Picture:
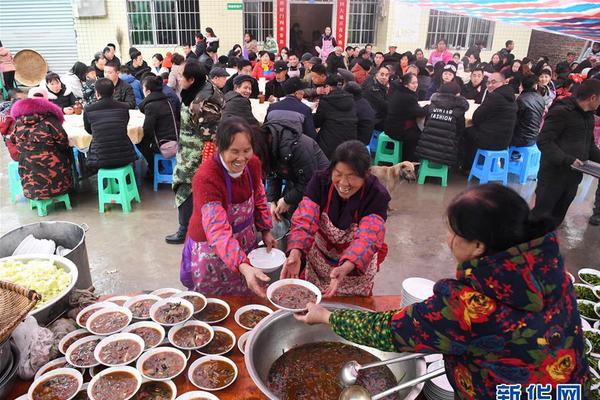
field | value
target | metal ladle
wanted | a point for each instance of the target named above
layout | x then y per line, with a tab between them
356	392
350	370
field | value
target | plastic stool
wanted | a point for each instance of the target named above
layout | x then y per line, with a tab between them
386	154
163	170
14	182
118	190
76	160
490	165
139	164
433	170
373	143
527	164
42	205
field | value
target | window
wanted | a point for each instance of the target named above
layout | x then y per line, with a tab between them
258	19
362	16
162	22
459	30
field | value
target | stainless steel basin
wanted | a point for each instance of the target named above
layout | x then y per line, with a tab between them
279	332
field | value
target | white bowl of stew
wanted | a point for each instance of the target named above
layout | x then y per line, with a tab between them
150	364
223	342
119	349
140	305
115	383
109	321
216	310
152	333
171	311
212	373
61	384
198	300
81	353
191	335
70	338
242	342
88	311
118	300
164	390
57	363
293	294
197	394
249	316
166	292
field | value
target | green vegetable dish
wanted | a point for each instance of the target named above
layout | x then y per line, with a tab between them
594	339
592	279
587	310
585	293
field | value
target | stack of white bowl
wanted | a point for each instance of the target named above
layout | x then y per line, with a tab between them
415	290
439	387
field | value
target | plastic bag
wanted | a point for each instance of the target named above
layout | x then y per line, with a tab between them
34	342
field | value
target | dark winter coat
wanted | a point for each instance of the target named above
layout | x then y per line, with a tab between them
107	120
443	126
402	113
295	157
137	72
64	98
124	93
531	107
135	85
471	92
290	108
237	105
159	122
494	120
334	62
274	88
377	95
43	146
336	116
366	118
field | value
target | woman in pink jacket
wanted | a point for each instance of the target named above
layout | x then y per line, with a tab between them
441	53
7	68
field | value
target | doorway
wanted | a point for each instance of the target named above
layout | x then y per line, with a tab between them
307	23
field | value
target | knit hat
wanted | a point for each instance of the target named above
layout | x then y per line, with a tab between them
450	88
449	68
280	66
218	72
315	60
242	78
306	57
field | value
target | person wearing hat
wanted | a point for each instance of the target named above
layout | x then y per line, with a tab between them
274	88
445	75
309	63
335	60
237	101
244	67
264	67
292	108
391	55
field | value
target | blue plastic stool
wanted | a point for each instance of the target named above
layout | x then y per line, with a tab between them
14	182
386	154
76	159
490	165
373	143
163	170
138	165
42	205
524	162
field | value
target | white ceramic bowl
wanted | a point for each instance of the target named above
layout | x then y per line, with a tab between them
60	362
588	271
111	370
165	292
587	344
242	342
593	304
61	371
95	306
218	301
220	329
571	277
105	311
592	353
266	262
78	332
115	338
197	394
204	359
194	294
75	345
284	282
177	328
118	300
145	356
249	307
171	300
135	299
171	385
147	324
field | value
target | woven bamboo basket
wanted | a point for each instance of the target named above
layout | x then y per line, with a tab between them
31	67
15	303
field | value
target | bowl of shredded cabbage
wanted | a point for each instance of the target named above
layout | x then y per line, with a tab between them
52	277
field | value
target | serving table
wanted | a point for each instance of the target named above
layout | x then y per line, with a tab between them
243	387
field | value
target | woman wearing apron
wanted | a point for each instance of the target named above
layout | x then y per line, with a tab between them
339	226
327	44
229	207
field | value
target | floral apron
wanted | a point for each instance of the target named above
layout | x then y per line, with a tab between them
326	251
209	274
326	49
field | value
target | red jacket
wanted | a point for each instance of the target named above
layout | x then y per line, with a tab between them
7	126
258	71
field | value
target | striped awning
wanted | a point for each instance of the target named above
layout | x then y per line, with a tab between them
567	17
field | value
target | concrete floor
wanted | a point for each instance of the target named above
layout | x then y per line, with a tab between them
128	253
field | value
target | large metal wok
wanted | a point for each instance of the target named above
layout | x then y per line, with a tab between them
280	331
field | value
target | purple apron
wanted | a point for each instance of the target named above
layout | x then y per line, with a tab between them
201	268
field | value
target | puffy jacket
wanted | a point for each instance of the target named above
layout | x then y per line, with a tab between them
470	92
531	109
124	93
294	157
364	113
443	127
402	111
378	96
107	120
64	98
494	120
135	85
336	116
159	122
137	72
237	105
7	126
293	109
72	81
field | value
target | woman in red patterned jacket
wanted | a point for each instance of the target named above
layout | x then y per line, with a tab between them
339	225
509	317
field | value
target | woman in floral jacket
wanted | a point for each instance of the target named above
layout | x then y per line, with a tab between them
509	317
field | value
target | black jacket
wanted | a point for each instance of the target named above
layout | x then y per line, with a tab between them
124	93
494	120
568	134
294	157
64	98
531	108
377	95
200	48
366	119
292	109
137	72
336	116
402	112
274	88
334	62
229	86
106	120
159	122
237	105
443	127
470	92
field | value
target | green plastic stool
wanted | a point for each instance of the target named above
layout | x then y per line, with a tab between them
42	205
117	190
433	170
14	182
384	154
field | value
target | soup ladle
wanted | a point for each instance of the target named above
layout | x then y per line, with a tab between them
356	392
350	370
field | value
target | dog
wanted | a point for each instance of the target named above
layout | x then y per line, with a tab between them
390	177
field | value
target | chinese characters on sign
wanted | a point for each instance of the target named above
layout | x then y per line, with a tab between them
281	23
340	34
538	392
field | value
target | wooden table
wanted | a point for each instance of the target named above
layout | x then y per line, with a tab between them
243	387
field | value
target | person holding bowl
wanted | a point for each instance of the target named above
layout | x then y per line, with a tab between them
339	226
509	317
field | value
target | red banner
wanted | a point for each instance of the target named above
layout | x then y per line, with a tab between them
340	26
281	23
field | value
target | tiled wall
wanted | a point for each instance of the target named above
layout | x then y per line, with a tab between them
227	24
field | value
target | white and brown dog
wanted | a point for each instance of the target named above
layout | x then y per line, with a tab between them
390	177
